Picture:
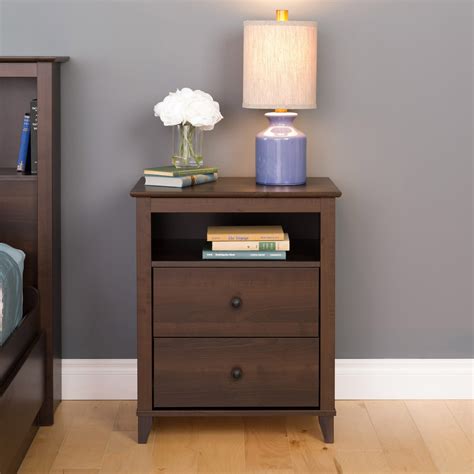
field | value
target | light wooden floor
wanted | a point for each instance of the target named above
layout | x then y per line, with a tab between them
371	436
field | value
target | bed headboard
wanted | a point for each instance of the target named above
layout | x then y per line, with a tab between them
19	220
30	216
18	193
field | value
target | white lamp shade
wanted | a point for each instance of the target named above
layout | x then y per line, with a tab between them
280	60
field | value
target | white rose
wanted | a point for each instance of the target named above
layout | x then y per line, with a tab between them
185	105
184	94
171	110
203	113
205	95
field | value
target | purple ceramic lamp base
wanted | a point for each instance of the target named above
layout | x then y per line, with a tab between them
280	152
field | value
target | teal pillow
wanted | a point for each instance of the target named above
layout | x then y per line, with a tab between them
16	254
11	290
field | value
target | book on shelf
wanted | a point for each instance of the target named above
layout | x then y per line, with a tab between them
245	233
34	136
208	254
179	181
173	172
254	245
24	151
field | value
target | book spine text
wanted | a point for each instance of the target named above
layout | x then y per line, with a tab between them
34	136
242	237
282	245
242	255
24	144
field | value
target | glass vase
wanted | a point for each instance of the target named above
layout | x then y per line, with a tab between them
187	146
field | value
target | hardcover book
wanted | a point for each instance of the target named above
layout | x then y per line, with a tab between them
244	233
263	246
208	254
24	145
34	136
172	171
179	181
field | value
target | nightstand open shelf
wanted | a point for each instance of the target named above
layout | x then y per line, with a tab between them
178	238
235	337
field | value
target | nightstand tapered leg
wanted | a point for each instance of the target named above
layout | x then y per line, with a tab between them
144	426
327	427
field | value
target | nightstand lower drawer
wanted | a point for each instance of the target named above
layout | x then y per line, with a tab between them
236	372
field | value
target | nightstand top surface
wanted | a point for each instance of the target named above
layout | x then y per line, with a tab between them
241	187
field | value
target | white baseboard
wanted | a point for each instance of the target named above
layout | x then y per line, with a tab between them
99	379
390	379
356	379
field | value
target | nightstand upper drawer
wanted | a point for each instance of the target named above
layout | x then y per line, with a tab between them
236	372
235	302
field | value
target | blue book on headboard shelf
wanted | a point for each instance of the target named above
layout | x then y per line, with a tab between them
24	144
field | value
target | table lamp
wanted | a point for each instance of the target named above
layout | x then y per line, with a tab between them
280	74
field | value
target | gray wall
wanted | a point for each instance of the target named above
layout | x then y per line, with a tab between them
393	129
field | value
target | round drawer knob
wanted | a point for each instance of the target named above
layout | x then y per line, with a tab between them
236	373
236	302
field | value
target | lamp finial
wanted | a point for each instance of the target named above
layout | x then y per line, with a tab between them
282	15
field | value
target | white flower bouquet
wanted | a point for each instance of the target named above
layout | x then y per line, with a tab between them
191	112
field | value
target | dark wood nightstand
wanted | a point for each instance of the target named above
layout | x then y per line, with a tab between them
200	353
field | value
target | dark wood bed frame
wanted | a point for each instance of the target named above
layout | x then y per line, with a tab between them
21	385
30	360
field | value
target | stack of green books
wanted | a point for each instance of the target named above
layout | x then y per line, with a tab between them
171	177
246	243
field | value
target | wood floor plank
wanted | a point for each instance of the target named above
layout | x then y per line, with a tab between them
354	429
361	462
126	419
357	448
69	410
41	454
270	471
448	444
309	453
266	445
85	444
174	451
83	449
401	441
75	471
463	412
99	413
220	443
48	440
199	445
124	455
